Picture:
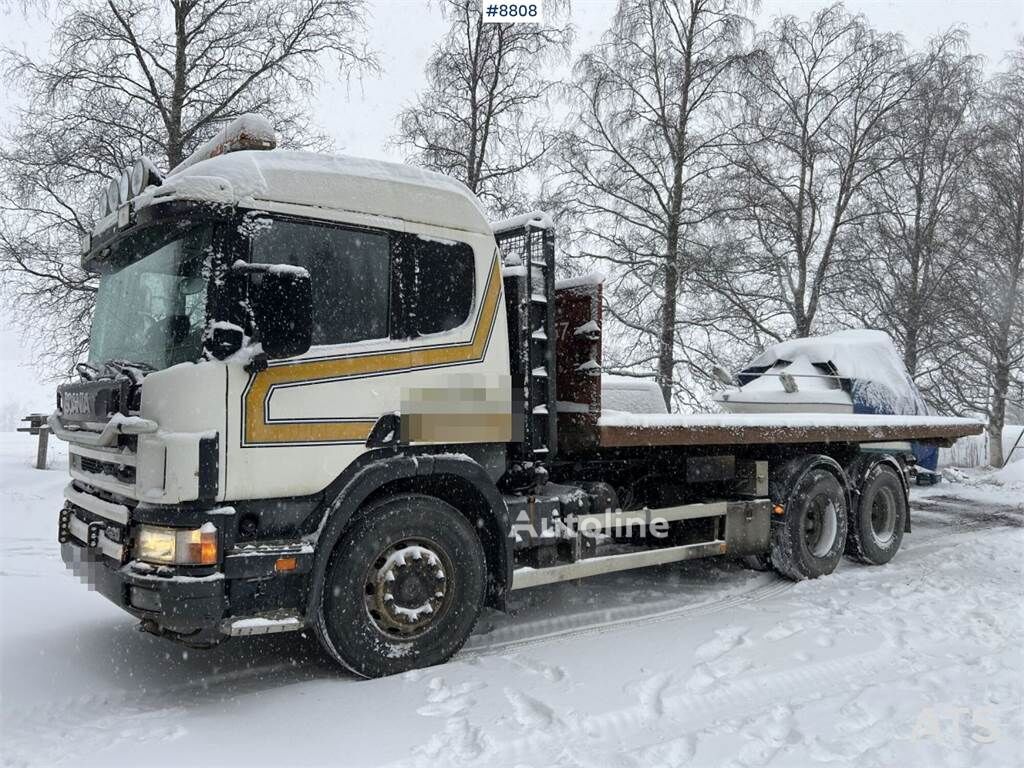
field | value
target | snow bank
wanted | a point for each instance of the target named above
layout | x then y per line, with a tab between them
1010	476
855	669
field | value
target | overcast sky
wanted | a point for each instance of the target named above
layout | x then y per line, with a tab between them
360	114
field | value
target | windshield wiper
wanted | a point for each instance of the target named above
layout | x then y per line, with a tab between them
134	370
87	371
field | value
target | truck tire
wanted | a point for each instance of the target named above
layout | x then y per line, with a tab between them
878	517
809	541
404	587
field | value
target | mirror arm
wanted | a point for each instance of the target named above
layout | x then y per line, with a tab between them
258	363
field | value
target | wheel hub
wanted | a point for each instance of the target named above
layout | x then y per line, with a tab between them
407	587
883	516
819	527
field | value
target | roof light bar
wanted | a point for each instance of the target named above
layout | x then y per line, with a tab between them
244	132
126	186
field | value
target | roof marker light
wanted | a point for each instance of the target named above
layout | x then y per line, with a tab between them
244	132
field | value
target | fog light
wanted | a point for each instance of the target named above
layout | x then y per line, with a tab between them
176	546
145	599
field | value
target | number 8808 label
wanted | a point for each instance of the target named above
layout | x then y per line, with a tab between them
511	13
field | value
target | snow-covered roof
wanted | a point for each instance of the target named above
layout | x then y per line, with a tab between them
335	182
628	394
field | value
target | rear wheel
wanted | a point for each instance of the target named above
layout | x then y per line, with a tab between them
878	517
809	541
404	587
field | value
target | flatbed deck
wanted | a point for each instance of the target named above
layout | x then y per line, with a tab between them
629	430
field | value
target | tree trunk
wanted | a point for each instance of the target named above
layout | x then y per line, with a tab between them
667	336
175	140
911	335
1000	387
1001	367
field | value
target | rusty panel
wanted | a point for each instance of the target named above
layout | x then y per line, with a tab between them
577	364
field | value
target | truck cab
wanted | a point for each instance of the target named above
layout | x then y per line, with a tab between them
327	393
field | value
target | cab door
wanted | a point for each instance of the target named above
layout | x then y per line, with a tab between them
407	322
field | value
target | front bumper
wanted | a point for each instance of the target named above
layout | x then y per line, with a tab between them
185	607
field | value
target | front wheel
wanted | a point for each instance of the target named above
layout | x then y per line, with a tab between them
404	587
809	541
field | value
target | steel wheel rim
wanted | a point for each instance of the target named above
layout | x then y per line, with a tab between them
408	587
883	516
819	526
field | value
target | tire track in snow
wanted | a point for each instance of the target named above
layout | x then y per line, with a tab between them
36	735
673	714
516	636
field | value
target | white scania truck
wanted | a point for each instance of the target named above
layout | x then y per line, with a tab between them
326	393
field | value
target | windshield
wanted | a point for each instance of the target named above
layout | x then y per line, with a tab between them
153	310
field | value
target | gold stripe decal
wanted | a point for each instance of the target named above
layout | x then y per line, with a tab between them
258	429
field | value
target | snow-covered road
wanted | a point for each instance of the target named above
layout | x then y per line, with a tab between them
919	663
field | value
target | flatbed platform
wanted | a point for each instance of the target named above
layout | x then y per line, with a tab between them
630	430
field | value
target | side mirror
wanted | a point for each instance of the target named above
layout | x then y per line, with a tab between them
281	298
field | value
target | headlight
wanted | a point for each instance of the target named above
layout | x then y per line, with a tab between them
177	546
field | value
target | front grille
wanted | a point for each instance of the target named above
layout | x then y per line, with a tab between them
120	472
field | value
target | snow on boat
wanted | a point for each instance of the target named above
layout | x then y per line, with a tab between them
849	372
856	371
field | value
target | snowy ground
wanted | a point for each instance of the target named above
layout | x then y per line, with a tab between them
919	663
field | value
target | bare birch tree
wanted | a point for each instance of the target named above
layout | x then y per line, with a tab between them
819	106
984	362
639	162
902	258
482	115
125	78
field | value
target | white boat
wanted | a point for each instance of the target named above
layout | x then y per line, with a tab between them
857	371
788	386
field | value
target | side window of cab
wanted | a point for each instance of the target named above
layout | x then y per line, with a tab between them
371	284
437	285
350	272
